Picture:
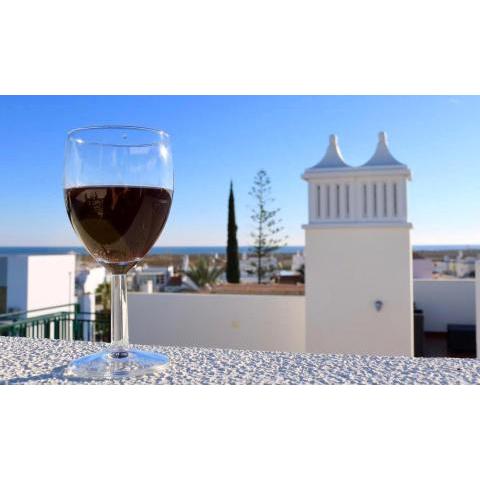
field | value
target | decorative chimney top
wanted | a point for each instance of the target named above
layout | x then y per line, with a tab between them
333	157
382	156
373	194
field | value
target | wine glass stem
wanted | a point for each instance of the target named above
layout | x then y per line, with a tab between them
119	340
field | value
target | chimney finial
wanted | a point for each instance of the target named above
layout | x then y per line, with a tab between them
333	157
382	156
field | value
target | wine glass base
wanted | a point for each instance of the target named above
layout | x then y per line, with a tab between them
109	364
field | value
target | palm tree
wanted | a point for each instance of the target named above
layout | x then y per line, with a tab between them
203	274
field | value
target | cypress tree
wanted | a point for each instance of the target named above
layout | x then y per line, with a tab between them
232	270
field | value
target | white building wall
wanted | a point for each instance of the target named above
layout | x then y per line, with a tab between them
17	285
254	322
298	261
464	268
439	267
272	322
422	268
444	302
51	281
369	264
477	304
95	277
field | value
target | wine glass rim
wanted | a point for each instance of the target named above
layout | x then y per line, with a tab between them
162	134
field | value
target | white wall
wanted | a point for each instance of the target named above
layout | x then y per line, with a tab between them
444	302
255	322
422	268
95	277
272	322
477	305
39	281
17	287
347	270
51	281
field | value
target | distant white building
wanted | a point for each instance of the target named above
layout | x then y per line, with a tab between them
247	265
149	279
87	282
185	263
465	266
441	266
422	268
452	266
32	282
298	261
461	267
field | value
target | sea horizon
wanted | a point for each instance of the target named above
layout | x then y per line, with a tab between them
200	250
172	250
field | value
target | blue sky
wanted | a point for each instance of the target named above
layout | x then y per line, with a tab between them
215	139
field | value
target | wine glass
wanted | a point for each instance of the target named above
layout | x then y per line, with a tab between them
118	189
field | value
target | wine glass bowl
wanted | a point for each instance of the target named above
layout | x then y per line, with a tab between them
118	224
118	188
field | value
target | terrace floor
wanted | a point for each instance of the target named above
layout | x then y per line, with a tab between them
435	345
30	361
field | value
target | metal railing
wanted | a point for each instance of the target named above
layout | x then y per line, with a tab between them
60	325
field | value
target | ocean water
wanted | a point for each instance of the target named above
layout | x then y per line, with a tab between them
196	250
155	250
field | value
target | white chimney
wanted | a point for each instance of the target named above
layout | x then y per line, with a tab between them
357	245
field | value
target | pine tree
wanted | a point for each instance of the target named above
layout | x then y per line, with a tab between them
267	234
233	269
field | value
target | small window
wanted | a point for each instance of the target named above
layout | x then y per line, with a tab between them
375	200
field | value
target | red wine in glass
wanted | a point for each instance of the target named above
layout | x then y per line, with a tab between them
118	224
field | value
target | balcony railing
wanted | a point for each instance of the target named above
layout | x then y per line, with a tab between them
61	324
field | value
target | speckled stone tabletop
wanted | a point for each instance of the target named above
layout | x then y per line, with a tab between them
29	361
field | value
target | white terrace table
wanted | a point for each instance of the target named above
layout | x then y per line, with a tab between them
24	360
